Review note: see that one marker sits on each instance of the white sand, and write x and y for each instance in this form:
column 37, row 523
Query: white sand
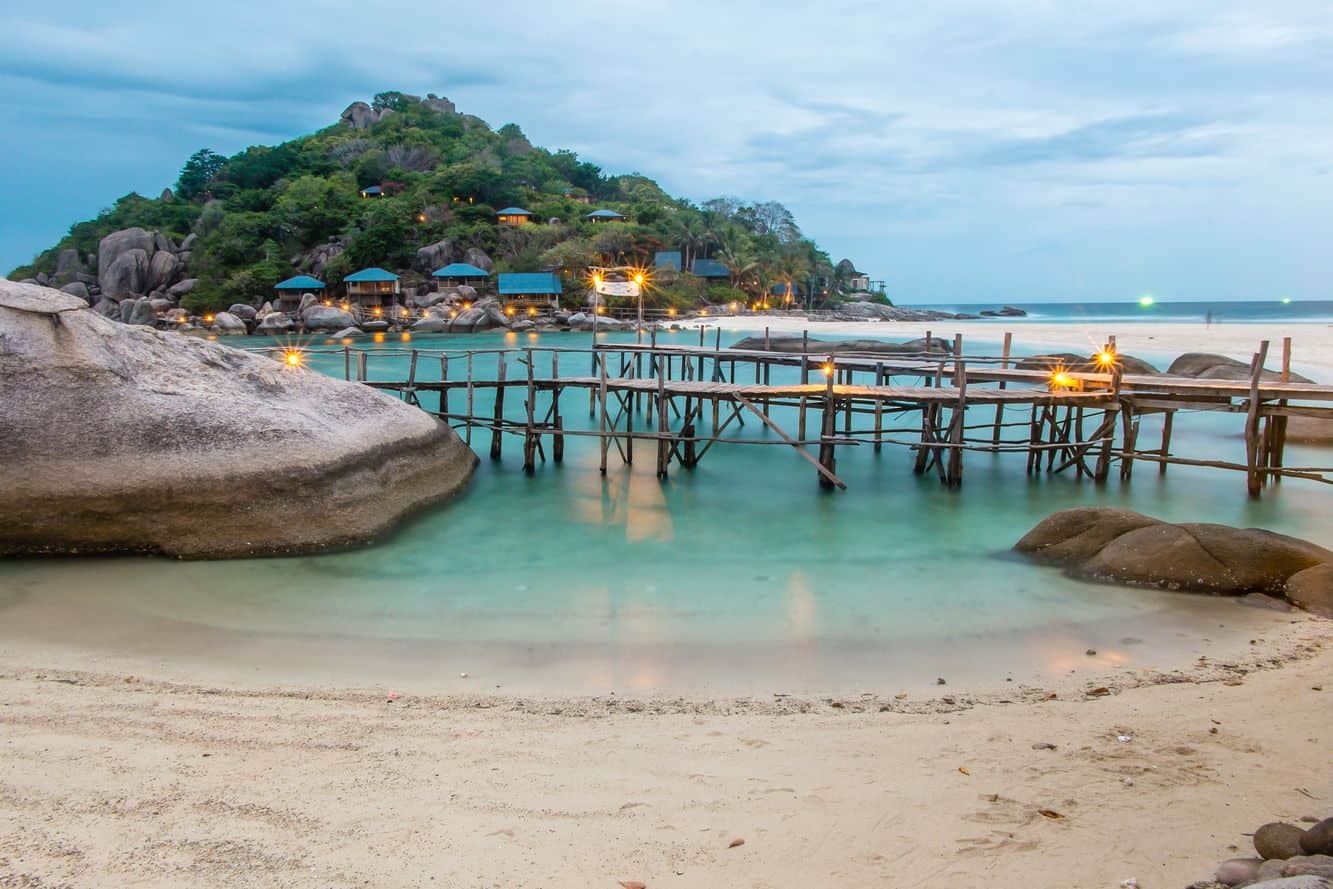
column 1312, row 342
column 115, row 780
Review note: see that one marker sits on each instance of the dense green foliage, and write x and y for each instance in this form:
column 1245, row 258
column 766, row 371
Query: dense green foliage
column 259, row 214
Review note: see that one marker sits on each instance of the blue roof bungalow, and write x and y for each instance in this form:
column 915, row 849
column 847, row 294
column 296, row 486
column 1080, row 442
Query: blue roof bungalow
column 667, row 261
column 710, row 269
column 372, row 288
column 784, row 294
column 456, row 273
column 513, row 216
column 535, row 290
column 290, row 291
column 605, row 215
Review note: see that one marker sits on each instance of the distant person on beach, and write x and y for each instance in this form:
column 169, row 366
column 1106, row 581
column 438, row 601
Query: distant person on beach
column 1208, row 319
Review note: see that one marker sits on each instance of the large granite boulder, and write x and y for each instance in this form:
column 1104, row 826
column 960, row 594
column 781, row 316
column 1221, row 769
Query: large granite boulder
column 242, row 311
column 1119, row 546
column 1084, row 363
column 127, row 439
column 432, row 324
column 1310, row 430
column 77, row 288
column 163, row 270
column 433, row 256
column 1205, row 366
column 116, row 244
column 127, row 274
column 69, row 265
column 227, row 324
column 274, row 323
column 476, row 256
column 180, row 288
column 317, row 317
column 141, row 311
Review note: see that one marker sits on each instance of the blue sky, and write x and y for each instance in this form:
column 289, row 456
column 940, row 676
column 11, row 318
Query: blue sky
column 979, row 151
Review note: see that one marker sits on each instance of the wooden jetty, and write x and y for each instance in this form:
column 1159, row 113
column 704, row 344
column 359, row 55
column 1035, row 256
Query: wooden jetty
column 681, row 401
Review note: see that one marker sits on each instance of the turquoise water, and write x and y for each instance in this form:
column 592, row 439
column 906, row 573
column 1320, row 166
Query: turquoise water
column 739, row 574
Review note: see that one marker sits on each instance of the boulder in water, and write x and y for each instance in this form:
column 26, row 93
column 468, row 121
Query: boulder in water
column 1206, row 366
column 317, row 317
column 228, row 324
column 1120, row 546
column 172, row 447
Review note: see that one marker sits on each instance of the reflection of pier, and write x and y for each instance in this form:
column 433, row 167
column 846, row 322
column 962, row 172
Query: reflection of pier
column 681, row 401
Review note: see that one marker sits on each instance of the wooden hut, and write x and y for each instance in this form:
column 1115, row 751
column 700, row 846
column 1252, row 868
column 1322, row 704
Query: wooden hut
column 522, row 290
column 710, row 270
column 458, row 273
column 605, row 215
column 371, row 288
column 291, row 290
column 513, row 216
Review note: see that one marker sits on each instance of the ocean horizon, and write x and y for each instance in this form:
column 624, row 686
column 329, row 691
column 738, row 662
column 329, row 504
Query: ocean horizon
column 1220, row 311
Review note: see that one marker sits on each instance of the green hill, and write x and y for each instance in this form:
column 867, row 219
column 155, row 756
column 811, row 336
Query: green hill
column 269, row 212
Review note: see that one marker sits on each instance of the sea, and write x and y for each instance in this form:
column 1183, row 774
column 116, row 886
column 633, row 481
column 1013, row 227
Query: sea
column 1149, row 309
column 741, row 576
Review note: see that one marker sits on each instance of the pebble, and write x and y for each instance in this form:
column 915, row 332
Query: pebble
column 1235, row 871
column 1278, row 840
column 1091, row 651
column 1318, row 839
column 941, row 681
column 1128, row 782
column 1043, row 745
column 1316, row 865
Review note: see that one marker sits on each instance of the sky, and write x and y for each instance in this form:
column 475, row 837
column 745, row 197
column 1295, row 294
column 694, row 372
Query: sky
column 1024, row 150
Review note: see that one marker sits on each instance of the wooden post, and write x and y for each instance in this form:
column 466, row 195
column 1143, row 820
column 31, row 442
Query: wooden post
column 601, row 422
column 347, row 363
column 955, row 473
column 497, row 434
column 999, row 405
column 1254, row 478
column 471, row 414
column 530, row 429
column 444, row 384
column 767, row 347
column 1166, row 441
column 879, row 408
column 362, row 362
column 958, row 360
column 828, row 426
column 663, row 445
column 557, row 422
column 1286, row 359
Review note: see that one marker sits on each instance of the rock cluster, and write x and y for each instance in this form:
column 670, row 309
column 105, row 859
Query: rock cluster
column 130, row 439
column 1084, row 363
column 1289, row 857
column 1205, row 366
column 1120, row 546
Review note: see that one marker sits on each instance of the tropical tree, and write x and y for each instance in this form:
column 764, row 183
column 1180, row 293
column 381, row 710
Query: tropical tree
column 198, row 172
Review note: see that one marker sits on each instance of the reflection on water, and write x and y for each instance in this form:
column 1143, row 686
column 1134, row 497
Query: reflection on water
column 740, row 569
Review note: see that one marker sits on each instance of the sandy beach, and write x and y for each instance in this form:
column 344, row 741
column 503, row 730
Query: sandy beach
column 1312, row 342
column 121, row 779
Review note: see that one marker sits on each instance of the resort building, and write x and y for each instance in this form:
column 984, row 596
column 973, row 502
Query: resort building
column 522, row 290
column 605, row 215
column 458, row 273
column 372, row 287
column 859, row 282
column 783, row 294
column 710, row 269
column 513, row 216
column 291, row 290
column 667, row 261
column 373, row 191
column 382, row 190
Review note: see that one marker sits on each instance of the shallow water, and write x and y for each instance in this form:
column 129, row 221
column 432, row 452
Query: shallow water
column 739, row 576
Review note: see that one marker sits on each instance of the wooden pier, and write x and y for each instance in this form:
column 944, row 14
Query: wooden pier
column 679, row 402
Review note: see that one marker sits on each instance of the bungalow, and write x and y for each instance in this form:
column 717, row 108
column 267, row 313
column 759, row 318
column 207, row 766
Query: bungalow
column 372, row 288
column 605, row 215
column 290, row 291
column 859, row 282
column 514, row 216
column 710, row 269
column 535, row 289
column 457, row 273
column 382, row 190
column 667, row 261
column 784, row 294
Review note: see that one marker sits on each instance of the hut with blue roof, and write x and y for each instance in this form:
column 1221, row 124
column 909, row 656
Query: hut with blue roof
column 291, row 290
column 667, row 261
column 710, row 269
column 458, row 273
column 513, row 216
column 372, row 288
column 524, row 290
column 605, row 215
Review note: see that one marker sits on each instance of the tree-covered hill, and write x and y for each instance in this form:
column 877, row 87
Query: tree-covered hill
column 246, row 222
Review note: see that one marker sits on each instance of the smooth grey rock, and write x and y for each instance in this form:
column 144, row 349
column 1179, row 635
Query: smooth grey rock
column 358, row 116
column 228, row 324
column 1304, row 882
column 107, row 308
column 426, row 300
column 190, row 241
column 163, row 269
column 433, row 256
column 111, row 247
column 161, row 306
column 68, row 265
column 1278, row 840
column 476, row 256
column 1312, row 589
column 1235, row 871
column 431, row 324
column 1206, row 366
column 275, row 322
column 171, row 447
column 1318, row 865
column 242, row 311
column 348, row 332
column 317, row 317
column 180, row 288
column 307, row 300
column 126, row 274
column 1074, row 535
column 79, row 289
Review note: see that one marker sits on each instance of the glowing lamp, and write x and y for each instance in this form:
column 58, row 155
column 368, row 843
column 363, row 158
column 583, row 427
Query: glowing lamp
column 407, row 337
column 1061, row 380
column 208, row 319
column 467, row 306
column 328, row 302
column 378, row 311
column 509, row 310
column 601, row 309
column 532, row 310
column 638, row 279
column 671, row 312
column 828, row 370
column 292, row 357
column 346, row 306
column 1106, row 358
